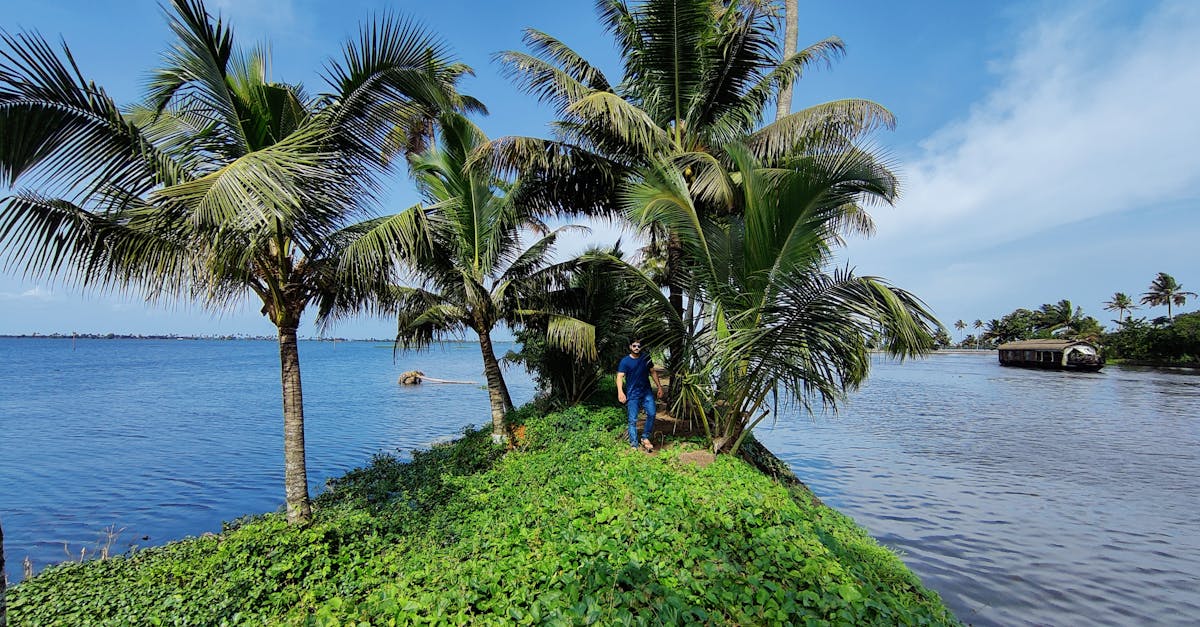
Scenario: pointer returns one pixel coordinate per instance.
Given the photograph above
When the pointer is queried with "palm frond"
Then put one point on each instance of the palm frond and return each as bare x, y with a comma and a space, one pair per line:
50, 238
267, 185
734, 117
197, 68
573, 336
743, 50
554, 72
391, 83
62, 134
630, 124
827, 127
554, 178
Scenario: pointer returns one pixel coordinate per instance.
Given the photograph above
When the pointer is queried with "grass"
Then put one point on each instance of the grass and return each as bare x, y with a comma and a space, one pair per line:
571, 528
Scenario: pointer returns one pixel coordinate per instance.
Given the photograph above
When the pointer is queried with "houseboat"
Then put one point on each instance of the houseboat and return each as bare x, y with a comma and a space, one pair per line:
1052, 354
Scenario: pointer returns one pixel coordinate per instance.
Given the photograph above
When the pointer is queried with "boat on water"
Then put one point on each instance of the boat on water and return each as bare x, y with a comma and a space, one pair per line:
1051, 354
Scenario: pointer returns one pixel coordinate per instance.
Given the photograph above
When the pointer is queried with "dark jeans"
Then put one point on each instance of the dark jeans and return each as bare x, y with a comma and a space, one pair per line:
635, 400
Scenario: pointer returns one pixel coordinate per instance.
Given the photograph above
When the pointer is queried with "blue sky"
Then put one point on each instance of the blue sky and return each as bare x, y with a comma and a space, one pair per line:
1047, 149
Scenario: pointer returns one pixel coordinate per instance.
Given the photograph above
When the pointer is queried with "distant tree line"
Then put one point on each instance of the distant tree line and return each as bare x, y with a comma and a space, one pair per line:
1169, 338
1166, 339
1057, 320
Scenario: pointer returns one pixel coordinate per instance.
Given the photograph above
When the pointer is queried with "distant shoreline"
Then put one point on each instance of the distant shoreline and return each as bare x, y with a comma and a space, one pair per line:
237, 337
171, 336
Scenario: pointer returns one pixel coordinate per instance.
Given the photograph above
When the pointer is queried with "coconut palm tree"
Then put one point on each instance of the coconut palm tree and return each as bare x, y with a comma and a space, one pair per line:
978, 324
463, 249
222, 184
960, 325
995, 332
1058, 317
772, 322
1164, 290
698, 74
1120, 303
669, 106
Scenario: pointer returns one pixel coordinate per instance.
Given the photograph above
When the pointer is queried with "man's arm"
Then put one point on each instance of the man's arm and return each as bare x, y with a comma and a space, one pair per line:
657, 383
621, 387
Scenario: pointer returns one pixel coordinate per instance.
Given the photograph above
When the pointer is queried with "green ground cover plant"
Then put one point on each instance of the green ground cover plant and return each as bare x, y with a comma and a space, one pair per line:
570, 528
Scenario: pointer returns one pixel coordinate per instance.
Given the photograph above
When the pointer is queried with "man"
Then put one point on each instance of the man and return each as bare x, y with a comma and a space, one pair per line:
636, 370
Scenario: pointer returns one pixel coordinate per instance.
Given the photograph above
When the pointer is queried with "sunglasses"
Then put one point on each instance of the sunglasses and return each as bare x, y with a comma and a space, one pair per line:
636, 345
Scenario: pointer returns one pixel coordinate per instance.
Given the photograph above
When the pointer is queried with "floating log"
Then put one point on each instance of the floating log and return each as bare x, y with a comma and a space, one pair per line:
415, 377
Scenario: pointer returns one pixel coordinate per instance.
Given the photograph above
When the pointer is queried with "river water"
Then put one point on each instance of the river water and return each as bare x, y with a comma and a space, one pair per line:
1022, 497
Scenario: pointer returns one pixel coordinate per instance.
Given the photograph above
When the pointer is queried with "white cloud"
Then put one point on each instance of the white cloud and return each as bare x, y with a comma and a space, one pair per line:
35, 293
1090, 126
1087, 120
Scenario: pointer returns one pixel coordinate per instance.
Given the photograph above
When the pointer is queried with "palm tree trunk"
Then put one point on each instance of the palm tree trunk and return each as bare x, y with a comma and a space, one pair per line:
675, 297
791, 34
497, 390
295, 474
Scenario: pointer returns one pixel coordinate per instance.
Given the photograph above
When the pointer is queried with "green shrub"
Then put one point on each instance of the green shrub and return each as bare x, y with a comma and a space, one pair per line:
571, 529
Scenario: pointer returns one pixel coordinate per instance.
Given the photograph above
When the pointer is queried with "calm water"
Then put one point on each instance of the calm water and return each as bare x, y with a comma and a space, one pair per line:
1022, 497
169, 438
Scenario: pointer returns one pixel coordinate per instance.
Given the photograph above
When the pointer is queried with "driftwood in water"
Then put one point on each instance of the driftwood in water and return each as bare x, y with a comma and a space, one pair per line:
415, 377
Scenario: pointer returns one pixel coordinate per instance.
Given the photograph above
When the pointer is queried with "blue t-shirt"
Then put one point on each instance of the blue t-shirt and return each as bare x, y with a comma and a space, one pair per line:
637, 373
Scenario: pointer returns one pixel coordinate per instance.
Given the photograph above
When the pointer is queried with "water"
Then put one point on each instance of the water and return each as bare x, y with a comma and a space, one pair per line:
1023, 497
162, 439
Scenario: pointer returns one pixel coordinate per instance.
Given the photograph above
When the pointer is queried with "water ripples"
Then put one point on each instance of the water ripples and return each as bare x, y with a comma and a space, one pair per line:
165, 439
1022, 497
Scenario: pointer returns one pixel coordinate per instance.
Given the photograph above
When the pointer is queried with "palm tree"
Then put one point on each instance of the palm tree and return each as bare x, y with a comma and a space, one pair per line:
978, 324
1120, 303
960, 325
463, 247
772, 322
221, 184
995, 332
673, 107
1164, 290
1060, 316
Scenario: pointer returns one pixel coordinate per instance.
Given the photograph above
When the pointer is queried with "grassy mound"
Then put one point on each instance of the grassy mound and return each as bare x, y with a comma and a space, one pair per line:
571, 529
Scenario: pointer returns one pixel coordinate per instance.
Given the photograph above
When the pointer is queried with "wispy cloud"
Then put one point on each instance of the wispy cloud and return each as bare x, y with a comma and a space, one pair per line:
35, 293
1046, 188
1087, 119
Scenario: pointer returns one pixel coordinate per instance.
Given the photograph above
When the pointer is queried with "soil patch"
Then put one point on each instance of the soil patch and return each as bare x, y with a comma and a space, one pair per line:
698, 458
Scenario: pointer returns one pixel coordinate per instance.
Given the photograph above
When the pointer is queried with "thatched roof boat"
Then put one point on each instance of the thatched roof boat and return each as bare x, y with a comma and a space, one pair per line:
1051, 354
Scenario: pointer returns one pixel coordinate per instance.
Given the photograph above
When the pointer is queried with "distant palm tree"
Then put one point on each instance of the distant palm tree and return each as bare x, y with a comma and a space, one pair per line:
1120, 303
995, 331
464, 248
978, 324
1164, 290
960, 325
222, 184
1060, 316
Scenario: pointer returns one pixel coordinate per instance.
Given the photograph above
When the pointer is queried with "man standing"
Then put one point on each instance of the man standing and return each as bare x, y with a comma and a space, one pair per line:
635, 370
